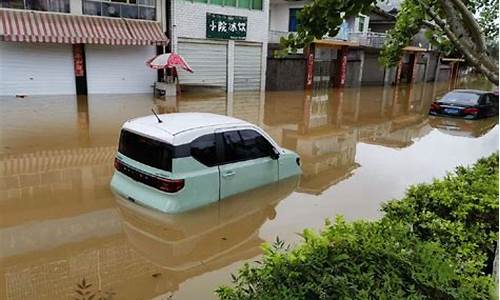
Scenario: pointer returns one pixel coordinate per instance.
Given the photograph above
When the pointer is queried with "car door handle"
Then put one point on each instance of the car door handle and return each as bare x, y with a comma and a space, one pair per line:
228, 173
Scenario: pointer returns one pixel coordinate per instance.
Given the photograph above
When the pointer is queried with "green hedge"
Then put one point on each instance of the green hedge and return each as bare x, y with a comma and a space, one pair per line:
460, 212
435, 243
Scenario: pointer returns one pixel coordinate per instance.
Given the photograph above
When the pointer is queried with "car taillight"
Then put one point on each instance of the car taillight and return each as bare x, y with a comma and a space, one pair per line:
435, 106
117, 164
471, 111
169, 185
163, 184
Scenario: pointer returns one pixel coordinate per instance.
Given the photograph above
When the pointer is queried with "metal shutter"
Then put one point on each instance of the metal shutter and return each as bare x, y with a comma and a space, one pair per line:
36, 69
208, 61
119, 69
247, 64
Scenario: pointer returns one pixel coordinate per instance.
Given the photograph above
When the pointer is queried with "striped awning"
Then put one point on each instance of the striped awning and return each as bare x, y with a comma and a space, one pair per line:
30, 26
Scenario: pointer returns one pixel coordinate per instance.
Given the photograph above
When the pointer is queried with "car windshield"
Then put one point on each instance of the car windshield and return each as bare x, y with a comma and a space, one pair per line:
461, 98
150, 152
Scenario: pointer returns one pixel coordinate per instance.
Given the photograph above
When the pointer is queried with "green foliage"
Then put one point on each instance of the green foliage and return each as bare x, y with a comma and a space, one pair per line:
412, 17
460, 212
321, 18
433, 244
410, 20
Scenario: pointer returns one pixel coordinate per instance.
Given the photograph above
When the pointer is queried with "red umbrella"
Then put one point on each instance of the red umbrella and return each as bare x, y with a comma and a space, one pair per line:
168, 60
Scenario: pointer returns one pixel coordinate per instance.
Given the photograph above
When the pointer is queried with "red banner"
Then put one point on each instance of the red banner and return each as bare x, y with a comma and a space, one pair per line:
310, 68
78, 60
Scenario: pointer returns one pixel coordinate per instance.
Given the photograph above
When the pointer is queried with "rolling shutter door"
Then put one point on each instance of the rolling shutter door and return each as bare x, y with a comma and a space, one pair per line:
36, 69
208, 61
247, 64
119, 69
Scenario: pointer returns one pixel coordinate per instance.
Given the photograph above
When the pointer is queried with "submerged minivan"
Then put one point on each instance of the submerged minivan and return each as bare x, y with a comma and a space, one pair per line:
181, 161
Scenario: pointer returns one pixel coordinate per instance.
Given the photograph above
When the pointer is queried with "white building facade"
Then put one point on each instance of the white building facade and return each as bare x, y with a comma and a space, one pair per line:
67, 47
283, 19
230, 63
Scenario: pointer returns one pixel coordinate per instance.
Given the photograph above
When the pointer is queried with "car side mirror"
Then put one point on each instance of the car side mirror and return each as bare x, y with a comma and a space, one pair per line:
275, 154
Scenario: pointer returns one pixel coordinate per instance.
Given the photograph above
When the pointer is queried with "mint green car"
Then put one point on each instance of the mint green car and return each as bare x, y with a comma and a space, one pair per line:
178, 162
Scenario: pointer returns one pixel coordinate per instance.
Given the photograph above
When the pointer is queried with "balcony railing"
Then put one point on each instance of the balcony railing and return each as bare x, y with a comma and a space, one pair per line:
368, 39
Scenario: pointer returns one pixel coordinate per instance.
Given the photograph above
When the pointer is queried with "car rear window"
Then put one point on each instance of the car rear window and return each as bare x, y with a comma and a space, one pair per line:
461, 98
145, 150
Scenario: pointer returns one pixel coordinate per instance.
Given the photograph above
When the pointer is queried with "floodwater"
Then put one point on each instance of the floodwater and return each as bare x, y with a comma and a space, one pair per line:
62, 233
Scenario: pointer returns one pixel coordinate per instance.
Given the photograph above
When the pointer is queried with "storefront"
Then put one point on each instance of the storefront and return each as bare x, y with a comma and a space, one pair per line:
57, 53
226, 46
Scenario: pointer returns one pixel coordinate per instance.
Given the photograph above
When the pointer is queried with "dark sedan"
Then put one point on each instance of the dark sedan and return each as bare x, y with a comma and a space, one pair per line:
468, 104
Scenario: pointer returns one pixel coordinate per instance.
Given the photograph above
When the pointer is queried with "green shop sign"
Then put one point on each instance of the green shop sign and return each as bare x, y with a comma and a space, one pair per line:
226, 27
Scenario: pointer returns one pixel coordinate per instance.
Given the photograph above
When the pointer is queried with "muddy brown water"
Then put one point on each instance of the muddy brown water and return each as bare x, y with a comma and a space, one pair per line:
60, 224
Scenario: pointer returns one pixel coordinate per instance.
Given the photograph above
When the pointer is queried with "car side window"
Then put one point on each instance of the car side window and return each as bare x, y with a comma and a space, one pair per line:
488, 99
244, 145
203, 150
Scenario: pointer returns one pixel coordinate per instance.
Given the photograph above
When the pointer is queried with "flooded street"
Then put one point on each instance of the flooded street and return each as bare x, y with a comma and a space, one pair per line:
60, 224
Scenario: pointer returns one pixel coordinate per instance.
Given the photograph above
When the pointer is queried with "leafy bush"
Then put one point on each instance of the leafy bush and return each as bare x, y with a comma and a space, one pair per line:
360, 260
460, 212
433, 244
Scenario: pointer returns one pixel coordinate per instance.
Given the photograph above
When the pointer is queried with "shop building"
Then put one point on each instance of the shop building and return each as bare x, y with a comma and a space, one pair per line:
68, 47
224, 41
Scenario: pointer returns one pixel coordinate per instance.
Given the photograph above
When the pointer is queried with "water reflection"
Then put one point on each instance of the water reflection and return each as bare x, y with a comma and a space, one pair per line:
465, 128
206, 239
59, 222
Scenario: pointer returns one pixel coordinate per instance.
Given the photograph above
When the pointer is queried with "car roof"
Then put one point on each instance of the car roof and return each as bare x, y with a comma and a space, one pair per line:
470, 91
174, 125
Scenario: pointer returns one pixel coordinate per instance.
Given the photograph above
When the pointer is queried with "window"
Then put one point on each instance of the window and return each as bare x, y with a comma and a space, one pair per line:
293, 21
244, 3
244, 145
256, 4
130, 9
361, 24
203, 150
247, 4
150, 152
43, 5
463, 98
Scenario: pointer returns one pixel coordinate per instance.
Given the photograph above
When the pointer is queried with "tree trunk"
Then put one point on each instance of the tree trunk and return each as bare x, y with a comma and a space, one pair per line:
483, 63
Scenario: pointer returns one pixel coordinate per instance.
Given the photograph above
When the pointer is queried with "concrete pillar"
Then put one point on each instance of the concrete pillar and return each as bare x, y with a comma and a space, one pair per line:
229, 104
383, 103
230, 66
387, 73
399, 70
357, 102
262, 102
173, 26
413, 69
361, 67
263, 67
438, 67
76, 7
427, 62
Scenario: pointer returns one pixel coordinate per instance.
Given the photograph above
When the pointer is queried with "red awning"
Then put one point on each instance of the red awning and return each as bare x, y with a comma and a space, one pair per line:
30, 26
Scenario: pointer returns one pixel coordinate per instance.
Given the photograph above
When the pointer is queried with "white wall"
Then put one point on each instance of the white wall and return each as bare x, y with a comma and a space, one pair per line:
118, 69
36, 69
191, 19
280, 14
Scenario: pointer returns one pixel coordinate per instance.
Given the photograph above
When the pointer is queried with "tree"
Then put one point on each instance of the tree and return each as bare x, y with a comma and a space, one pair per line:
466, 25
